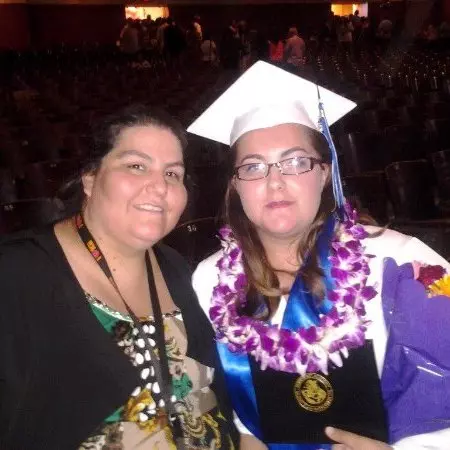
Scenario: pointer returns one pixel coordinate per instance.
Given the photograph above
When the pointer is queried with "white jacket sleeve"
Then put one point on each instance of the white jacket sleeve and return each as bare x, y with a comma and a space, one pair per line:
204, 280
439, 440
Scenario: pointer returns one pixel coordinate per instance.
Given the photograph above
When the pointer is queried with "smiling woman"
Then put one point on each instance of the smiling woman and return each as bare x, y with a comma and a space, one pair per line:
129, 347
138, 194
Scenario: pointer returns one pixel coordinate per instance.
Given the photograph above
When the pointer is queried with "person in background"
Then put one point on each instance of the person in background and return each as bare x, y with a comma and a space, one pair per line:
253, 39
129, 40
362, 40
197, 28
314, 308
146, 39
230, 47
128, 23
196, 38
356, 19
104, 346
345, 34
160, 36
276, 47
384, 33
209, 50
294, 51
153, 34
356, 22
174, 44
245, 53
262, 44
328, 32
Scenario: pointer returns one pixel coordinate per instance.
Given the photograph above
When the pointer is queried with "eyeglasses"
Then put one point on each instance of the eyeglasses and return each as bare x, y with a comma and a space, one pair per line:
290, 166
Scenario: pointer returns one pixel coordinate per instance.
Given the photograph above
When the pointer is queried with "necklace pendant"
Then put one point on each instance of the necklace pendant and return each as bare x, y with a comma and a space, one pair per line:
313, 392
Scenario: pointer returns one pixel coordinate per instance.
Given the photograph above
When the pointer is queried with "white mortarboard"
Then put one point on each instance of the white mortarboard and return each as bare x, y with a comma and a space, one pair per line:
263, 97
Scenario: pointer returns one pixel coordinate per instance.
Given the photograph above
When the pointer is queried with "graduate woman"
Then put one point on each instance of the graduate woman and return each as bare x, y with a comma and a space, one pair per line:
328, 330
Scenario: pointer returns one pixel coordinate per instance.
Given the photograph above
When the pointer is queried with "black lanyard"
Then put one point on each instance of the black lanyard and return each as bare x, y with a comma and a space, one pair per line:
161, 366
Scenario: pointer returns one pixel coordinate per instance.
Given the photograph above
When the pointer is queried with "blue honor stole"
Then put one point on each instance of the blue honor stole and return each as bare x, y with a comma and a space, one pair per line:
302, 311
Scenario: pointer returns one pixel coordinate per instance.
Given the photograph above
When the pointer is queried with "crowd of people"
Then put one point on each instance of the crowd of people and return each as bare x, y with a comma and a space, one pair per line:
140, 41
164, 38
240, 44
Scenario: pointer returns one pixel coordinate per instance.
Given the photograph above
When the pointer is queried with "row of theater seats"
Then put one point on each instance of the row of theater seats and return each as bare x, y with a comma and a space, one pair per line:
393, 146
415, 190
24, 214
51, 100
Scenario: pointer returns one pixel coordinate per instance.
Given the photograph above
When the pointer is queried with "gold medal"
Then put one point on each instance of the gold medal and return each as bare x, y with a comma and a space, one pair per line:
313, 392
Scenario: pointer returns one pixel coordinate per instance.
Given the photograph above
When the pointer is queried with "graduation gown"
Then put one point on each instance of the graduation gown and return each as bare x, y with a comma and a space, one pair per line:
390, 244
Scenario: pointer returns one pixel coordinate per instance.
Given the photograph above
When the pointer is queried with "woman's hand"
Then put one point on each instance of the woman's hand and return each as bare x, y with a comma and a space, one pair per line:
249, 442
350, 441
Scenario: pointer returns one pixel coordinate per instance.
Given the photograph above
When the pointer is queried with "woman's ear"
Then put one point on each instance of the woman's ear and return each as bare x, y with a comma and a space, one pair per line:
88, 180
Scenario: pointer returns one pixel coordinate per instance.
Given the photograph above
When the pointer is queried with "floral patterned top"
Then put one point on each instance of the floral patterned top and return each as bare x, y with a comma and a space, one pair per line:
142, 423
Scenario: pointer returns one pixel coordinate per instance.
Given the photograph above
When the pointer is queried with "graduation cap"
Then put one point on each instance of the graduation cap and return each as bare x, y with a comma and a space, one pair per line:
266, 96
271, 95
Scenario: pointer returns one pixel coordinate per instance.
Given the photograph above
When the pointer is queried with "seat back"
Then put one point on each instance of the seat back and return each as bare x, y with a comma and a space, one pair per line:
195, 240
411, 189
24, 214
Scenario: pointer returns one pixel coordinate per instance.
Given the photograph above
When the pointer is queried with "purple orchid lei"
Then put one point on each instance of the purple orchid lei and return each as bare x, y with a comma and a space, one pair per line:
303, 350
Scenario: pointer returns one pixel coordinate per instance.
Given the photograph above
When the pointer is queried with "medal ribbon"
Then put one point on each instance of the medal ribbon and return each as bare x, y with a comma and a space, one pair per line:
302, 311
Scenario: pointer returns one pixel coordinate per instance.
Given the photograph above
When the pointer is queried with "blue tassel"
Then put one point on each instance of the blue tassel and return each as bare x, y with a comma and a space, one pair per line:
338, 191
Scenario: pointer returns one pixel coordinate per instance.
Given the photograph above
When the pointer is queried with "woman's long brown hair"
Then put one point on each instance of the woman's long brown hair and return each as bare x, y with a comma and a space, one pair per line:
261, 275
